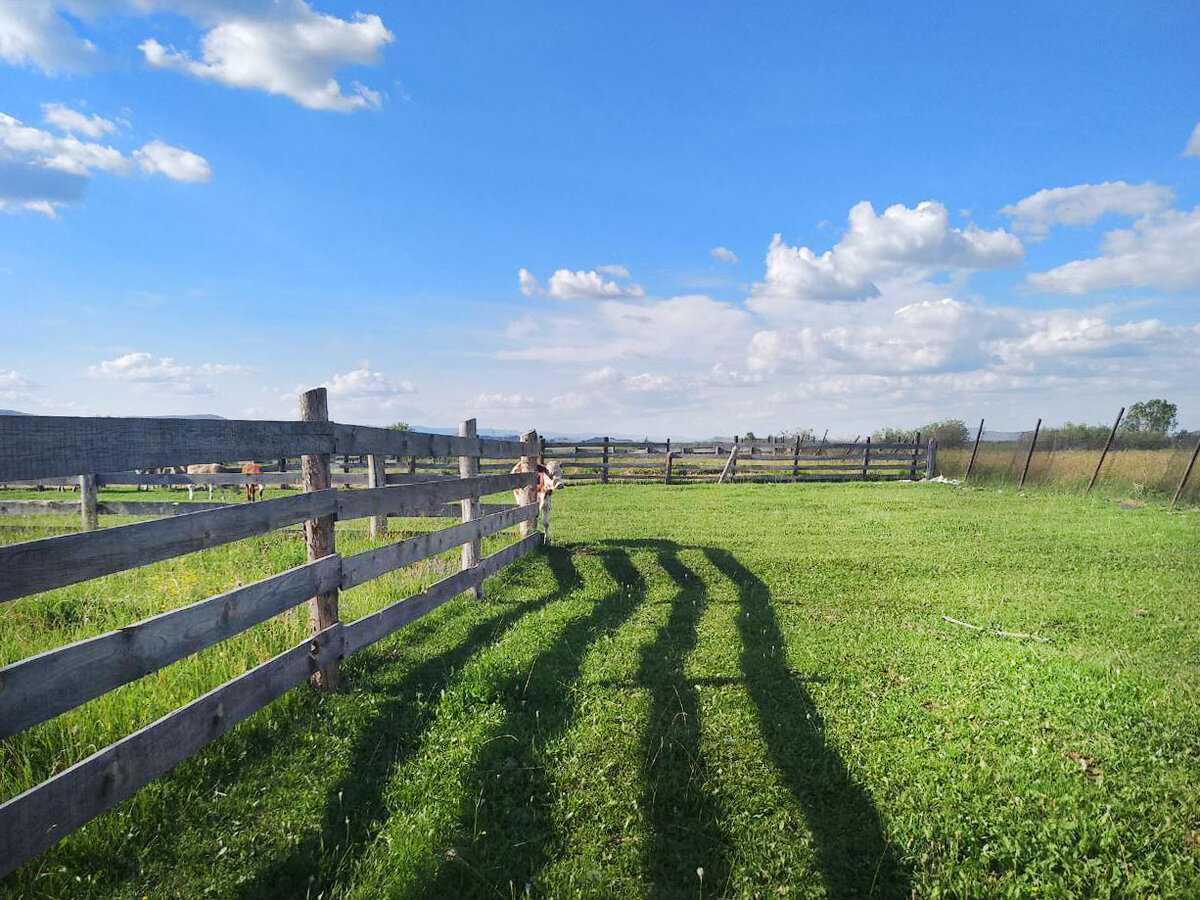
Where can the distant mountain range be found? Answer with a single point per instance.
(12, 412)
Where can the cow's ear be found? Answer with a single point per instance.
(543, 470)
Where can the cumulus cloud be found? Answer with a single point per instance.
(501, 401)
(1193, 144)
(174, 162)
(282, 47)
(291, 50)
(603, 375)
(159, 373)
(565, 284)
(647, 381)
(32, 32)
(1159, 251)
(70, 121)
(362, 383)
(14, 386)
(724, 255)
(1068, 334)
(1083, 204)
(680, 328)
(42, 171)
(877, 246)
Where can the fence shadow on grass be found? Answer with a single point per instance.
(354, 805)
(506, 833)
(853, 852)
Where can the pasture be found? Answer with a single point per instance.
(740, 690)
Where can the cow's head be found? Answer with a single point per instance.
(550, 477)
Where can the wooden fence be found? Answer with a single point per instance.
(608, 461)
(40, 687)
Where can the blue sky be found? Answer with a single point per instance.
(565, 216)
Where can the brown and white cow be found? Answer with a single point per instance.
(203, 469)
(254, 489)
(550, 479)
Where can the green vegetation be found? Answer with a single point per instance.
(1151, 417)
(713, 690)
(948, 432)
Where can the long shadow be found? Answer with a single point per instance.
(354, 805)
(682, 815)
(506, 833)
(855, 857)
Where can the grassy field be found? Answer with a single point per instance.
(713, 690)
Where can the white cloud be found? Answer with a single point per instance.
(287, 49)
(501, 401)
(70, 121)
(1083, 204)
(565, 284)
(603, 375)
(362, 383)
(282, 46)
(724, 254)
(1160, 252)
(1193, 144)
(1068, 334)
(681, 328)
(528, 282)
(647, 381)
(918, 239)
(33, 33)
(42, 171)
(150, 372)
(13, 385)
(225, 369)
(174, 162)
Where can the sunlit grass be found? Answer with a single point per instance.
(752, 681)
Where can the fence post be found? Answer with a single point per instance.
(974, 450)
(866, 458)
(412, 465)
(730, 464)
(796, 456)
(931, 458)
(529, 494)
(604, 464)
(912, 470)
(468, 467)
(87, 501)
(1029, 455)
(667, 463)
(1186, 474)
(376, 479)
(318, 533)
(1103, 453)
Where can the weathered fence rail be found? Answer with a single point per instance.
(40, 687)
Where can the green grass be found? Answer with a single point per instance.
(754, 681)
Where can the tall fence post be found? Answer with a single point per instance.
(318, 533)
(1029, 456)
(912, 469)
(866, 458)
(1103, 453)
(796, 456)
(730, 464)
(376, 479)
(974, 450)
(88, 502)
(1186, 474)
(468, 467)
(667, 463)
(528, 495)
(931, 458)
(604, 464)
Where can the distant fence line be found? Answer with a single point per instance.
(1080, 459)
(38, 688)
(796, 459)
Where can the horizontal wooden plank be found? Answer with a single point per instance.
(372, 563)
(39, 446)
(354, 439)
(383, 622)
(33, 566)
(105, 507)
(410, 499)
(37, 819)
(42, 686)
